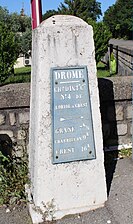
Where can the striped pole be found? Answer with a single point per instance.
(36, 11)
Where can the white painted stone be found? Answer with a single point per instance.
(12, 118)
(122, 129)
(129, 111)
(21, 135)
(7, 132)
(24, 117)
(63, 41)
(119, 113)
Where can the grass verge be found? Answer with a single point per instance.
(102, 70)
(21, 75)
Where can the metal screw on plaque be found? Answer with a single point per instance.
(83, 80)
(90, 152)
(56, 157)
(56, 82)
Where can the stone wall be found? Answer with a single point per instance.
(115, 105)
(123, 52)
(116, 110)
(14, 115)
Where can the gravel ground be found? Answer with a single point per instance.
(118, 209)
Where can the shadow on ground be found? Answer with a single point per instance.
(109, 127)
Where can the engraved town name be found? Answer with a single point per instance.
(72, 121)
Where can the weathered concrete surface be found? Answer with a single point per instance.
(126, 44)
(63, 41)
(15, 95)
(118, 209)
(115, 88)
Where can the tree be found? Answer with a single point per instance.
(49, 13)
(81, 8)
(9, 51)
(22, 25)
(16, 22)
(4, 15)
(102, 35)
(118, 18)
(15, 38)
(70, 7)
(25, 41)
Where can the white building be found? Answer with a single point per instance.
(23, 60)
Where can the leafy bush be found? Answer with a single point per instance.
(15, 38)
(102, 70)
(13, 177)
(9, 51)
(118, 18)
(101, 38)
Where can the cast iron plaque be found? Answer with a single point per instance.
(73, 137)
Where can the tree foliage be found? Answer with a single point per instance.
(102, 35)
(81, 8)
(118, 18)
(71, 7)
(15, 38)
(4, 15)
(49, 13)
(9, 51)
(25, 41)
(22, 25)
(9, 45)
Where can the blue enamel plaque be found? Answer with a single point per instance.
(73, 137)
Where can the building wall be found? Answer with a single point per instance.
(115, 105)
(22, 61)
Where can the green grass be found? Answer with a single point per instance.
(23, 74)
(23, 70)
(102, 70)
(125, 152)
(20, 75)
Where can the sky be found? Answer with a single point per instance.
(16, 5)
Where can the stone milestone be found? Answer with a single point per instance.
(66, 150)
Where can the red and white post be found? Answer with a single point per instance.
(36, 11)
